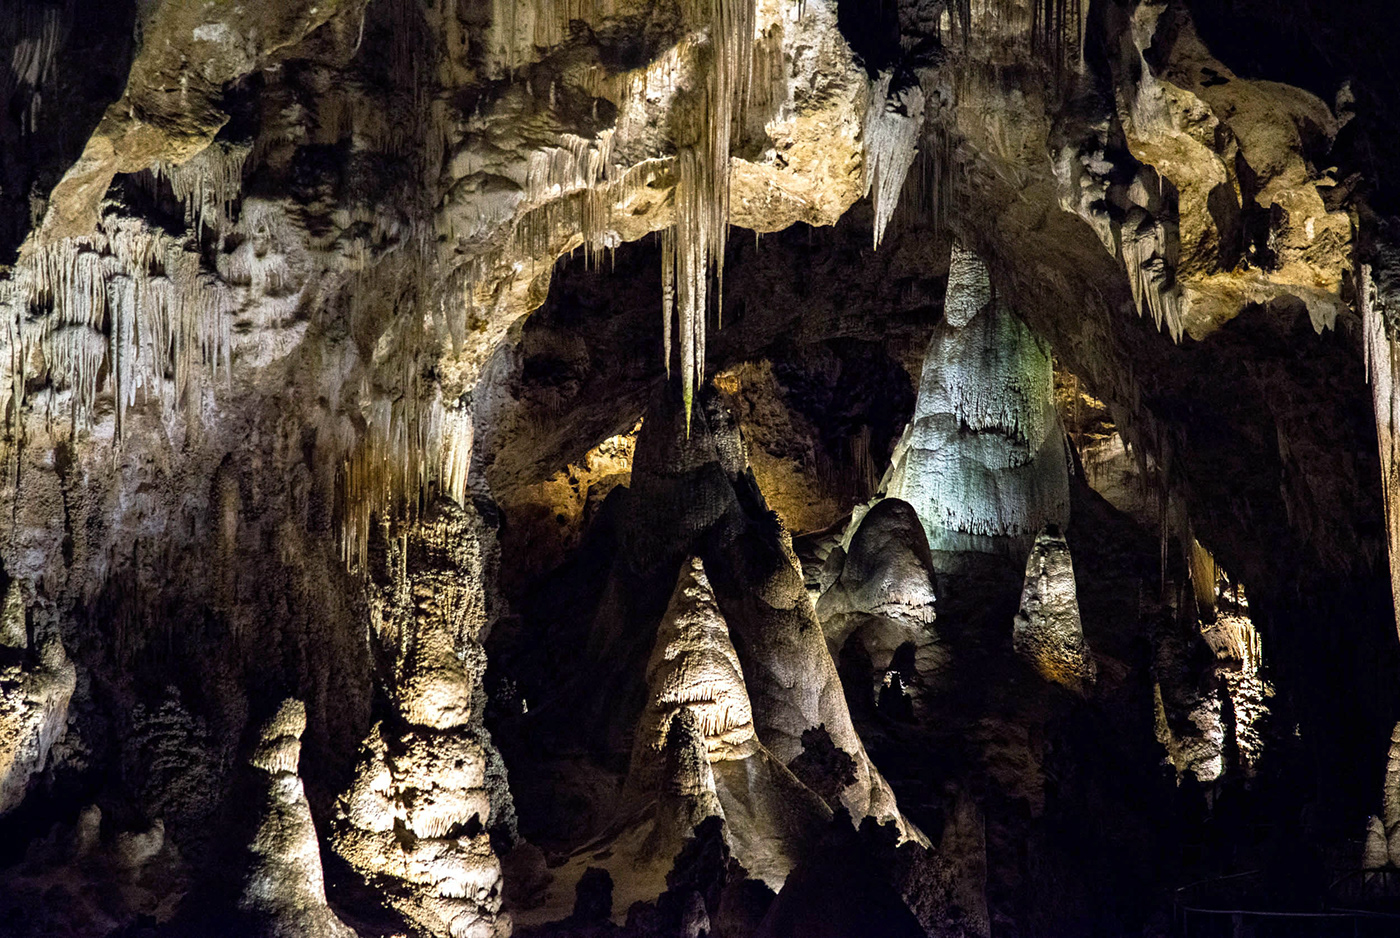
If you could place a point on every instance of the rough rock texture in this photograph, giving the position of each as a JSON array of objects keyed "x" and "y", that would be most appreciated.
[
  {"x": 1046, "y": 630},
  {"x": 267, "y": 267},
  {"x": 285, "y": 891},
  {"x": 1391, "y": 815},
  {"x": 36, "y": 685},
  {"x": 702, "y": 487},
  {"x": 81, "y": 879},
  {"x": 982, "y": 461},
  {"x": 696, "y": 756},
  {"x": 881, "y": 597},
  {"x": 427, "y": 800}
]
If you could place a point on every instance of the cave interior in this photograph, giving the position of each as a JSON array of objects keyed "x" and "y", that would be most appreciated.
[{"x": 728, "y": 468}]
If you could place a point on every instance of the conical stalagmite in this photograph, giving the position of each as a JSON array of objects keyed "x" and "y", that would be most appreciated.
[
  {"x": 1047, "y": 632},
  {"x": 983, "y": 460},
  {"x": 285, "y": 891},
  {"x": 692, "y": 492},
  {"x": 771, "y": 819}
]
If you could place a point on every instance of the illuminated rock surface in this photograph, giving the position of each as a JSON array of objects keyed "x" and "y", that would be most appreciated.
[
  {"x": 1047, "y": 631},
  {"x": 511, "y": 383}
]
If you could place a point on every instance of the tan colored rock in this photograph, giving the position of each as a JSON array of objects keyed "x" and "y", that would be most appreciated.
[
  {"x": 285, "y": 891},
  {"x": 1193, "y": 124},
  {"x": 694, "y": 667},
  {"x": 1391, "y": 812},
  {"x": 36, "y": 686},
  {"x": 170, "y": 111},
  {"x": 432, "y": 778},
  {"x": 1046, "y": 631},
  {"x": 695, "y": 756},
  {"x": 770, "y": 817},
  {"x": 782, "y": 449}
]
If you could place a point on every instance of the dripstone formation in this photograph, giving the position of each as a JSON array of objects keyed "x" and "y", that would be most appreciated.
[{"x": 644, "y": 468}]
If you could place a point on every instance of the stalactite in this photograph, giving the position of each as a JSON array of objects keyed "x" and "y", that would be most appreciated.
[
  {"x": 892, "y": 129},
  {"x": 128, "y": 311},
  {"x": 34, "y": 35},
  {"x": 208, "y": 183},
  {"x": 411, "y": 451},
  {"x": 520, "y": 28},
  {"x": 1053, "y": 29},
  {"x": 578, "y": 166},
  {"x": 1056, "y": 31},
  {"x": 1152, "y": 276},
  {"x": 702, "y": 179},
  {"x": 1382, "y": 354},
  {"x": 668, "y": 292}
]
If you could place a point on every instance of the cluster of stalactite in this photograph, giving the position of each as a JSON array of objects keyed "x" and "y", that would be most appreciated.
[{"x": 693, "y": 249}]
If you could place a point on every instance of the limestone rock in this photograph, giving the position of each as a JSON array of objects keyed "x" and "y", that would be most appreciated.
[
  {"x": 696, "y": 756},
  {"x": 1375, "y": 853},
  {"x": 983, "y": 460},
  {"x": 1046, "y": 631},
  {"x": 1391, "y": 815},
  {"x": 429, "y": 775},
  {"x": 883, "y": 598},
  {"x": 36, "y": 686},
  {"x": 770, "y": 817},
  {"x": 285, "y": 891},
  {"x": 694, "y": 667}
]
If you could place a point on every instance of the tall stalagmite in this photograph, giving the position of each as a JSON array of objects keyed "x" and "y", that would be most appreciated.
[
  {"x": 1047, "y": 632},
  {"x": 286, "y": 892},
  {"x": 432, "y": 771},
  {"x": 983, "y": 460}
]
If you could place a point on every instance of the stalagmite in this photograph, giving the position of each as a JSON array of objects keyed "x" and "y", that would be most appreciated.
[
  {"x": 1391, "y": 814},
  {"x": 1375, "y": 854},
  {"x": 285, "y": 891},
  {"x": 694, "y": 666},
  {"x": 882, "y": 596},
  {"x": 1047, "y": 632},
  {"x": 982, "y": 461},
  {"x": 429, "y": 772},
  {"x": 696, "y": 756}
]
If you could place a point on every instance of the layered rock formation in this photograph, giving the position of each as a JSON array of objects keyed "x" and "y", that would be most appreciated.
[
  {"x": 429, "y": 793},
  {"x": 286, "y": 891}
]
